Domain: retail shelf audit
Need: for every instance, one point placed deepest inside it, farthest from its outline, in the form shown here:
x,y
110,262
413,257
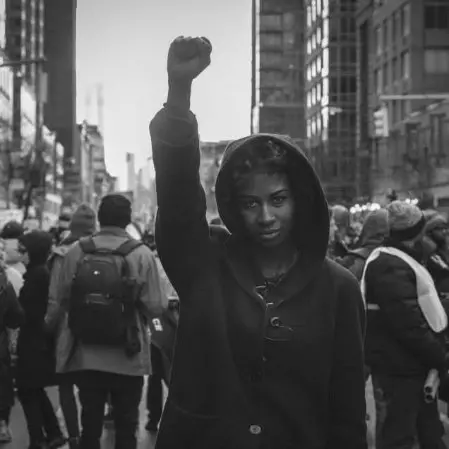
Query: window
x,y
436,61
405,18
378,78
309,17
394,70
270,40
270,78
436,17
270,59
271,22
385,40
405,65
378,38
289,40
309,47
385,75
289,21
397,24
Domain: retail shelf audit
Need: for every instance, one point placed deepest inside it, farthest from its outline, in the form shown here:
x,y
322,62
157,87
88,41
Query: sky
x,y
123,46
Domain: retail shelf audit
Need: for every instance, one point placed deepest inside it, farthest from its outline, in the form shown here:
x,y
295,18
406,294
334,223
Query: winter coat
x,y
35,348
399,340
75,356
11,317
280,372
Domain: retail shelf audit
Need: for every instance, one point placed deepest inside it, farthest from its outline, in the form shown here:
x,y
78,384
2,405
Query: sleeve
x,y
152,297
182,232
14,316
393,287
54,308
347,411
34,297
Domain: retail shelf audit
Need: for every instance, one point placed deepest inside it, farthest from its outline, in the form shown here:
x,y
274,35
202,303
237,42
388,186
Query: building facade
x,y
60,51
404,50
278,67
331,70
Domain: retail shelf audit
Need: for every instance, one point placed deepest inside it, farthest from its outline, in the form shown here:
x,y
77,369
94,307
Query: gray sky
x,y
123,46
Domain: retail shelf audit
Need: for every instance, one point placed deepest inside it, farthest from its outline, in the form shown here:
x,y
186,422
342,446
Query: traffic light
x,y
381,122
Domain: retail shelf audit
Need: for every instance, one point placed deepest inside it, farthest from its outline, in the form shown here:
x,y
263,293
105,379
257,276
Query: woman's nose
x,y
266,214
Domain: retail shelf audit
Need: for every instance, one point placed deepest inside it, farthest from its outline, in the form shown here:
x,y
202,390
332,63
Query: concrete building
x,y
331,68
278,67
60,51
404,50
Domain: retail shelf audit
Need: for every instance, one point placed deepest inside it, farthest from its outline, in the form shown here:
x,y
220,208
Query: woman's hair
x,y
266,157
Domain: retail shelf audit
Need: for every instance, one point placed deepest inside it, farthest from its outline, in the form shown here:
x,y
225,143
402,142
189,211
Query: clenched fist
x,y
187,58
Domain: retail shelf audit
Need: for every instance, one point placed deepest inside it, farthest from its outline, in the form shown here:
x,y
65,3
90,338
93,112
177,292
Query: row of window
x,y
336,89
395,70
278,22
436,61
436,15
316,9
285,40
395,27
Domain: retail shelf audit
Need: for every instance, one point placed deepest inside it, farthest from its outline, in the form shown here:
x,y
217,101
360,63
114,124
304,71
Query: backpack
x,y
103,296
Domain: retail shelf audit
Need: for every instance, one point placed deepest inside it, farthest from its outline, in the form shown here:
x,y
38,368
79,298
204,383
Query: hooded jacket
x,y
375,230
276,373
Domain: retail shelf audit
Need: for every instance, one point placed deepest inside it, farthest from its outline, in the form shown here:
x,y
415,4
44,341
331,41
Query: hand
x,y
187,58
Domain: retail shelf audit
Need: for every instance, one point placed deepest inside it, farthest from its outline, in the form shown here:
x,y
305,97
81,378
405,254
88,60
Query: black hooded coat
x,y
35,350
277,373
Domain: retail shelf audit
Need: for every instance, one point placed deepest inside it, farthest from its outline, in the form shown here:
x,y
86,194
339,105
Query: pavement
x,y
147,440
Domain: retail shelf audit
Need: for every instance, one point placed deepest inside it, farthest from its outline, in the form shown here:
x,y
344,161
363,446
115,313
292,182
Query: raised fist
x,y
188,57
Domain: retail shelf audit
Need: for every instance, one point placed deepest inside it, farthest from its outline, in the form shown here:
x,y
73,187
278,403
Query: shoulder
x,y
346,284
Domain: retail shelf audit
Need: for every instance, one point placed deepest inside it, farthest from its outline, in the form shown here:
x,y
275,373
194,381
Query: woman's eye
x,y
249,204
279,200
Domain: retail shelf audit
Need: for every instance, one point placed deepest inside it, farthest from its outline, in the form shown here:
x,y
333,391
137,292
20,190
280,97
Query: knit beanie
x,y
83,221
406,221
12,230
115,210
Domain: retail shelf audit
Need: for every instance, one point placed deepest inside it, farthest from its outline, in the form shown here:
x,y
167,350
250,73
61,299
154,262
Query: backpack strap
x,y
128,247
87,245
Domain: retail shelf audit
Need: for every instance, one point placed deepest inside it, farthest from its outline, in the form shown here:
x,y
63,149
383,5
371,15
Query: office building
x,y
278,67
60,51
331,68
404,50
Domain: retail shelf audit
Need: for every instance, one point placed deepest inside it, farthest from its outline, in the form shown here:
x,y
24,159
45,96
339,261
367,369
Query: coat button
x,y
255,429
275,322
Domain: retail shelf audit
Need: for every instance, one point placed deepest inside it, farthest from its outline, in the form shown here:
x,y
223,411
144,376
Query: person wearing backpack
x,y
82,224
108,293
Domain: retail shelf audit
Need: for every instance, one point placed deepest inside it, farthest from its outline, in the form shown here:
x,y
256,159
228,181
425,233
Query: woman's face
x,y
24,254
267,206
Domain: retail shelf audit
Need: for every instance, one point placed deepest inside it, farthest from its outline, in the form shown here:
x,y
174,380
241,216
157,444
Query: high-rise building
x,y
278,67
60,51
404,50
331,68
25,42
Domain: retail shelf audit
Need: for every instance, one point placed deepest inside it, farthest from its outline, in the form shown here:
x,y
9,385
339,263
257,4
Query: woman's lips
x,y
269,235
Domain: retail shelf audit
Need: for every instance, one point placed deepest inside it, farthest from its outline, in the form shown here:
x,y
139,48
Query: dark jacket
x,y
399,340
238,381
35,348
11,317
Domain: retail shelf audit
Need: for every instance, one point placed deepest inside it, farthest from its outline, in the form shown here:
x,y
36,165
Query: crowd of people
x,y
266,324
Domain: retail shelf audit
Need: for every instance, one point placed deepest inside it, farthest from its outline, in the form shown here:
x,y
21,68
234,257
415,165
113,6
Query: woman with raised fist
x,y
269,350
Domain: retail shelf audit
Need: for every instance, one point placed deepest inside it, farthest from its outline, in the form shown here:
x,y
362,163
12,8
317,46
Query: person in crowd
x,y
11,317
405,336
437,230
82,224
341,220
10,234
105,342
35,350
374,232
269,349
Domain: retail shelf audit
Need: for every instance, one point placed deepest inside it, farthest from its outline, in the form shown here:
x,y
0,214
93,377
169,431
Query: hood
x,y
375,228
311,230
12,255
434,220
38,245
